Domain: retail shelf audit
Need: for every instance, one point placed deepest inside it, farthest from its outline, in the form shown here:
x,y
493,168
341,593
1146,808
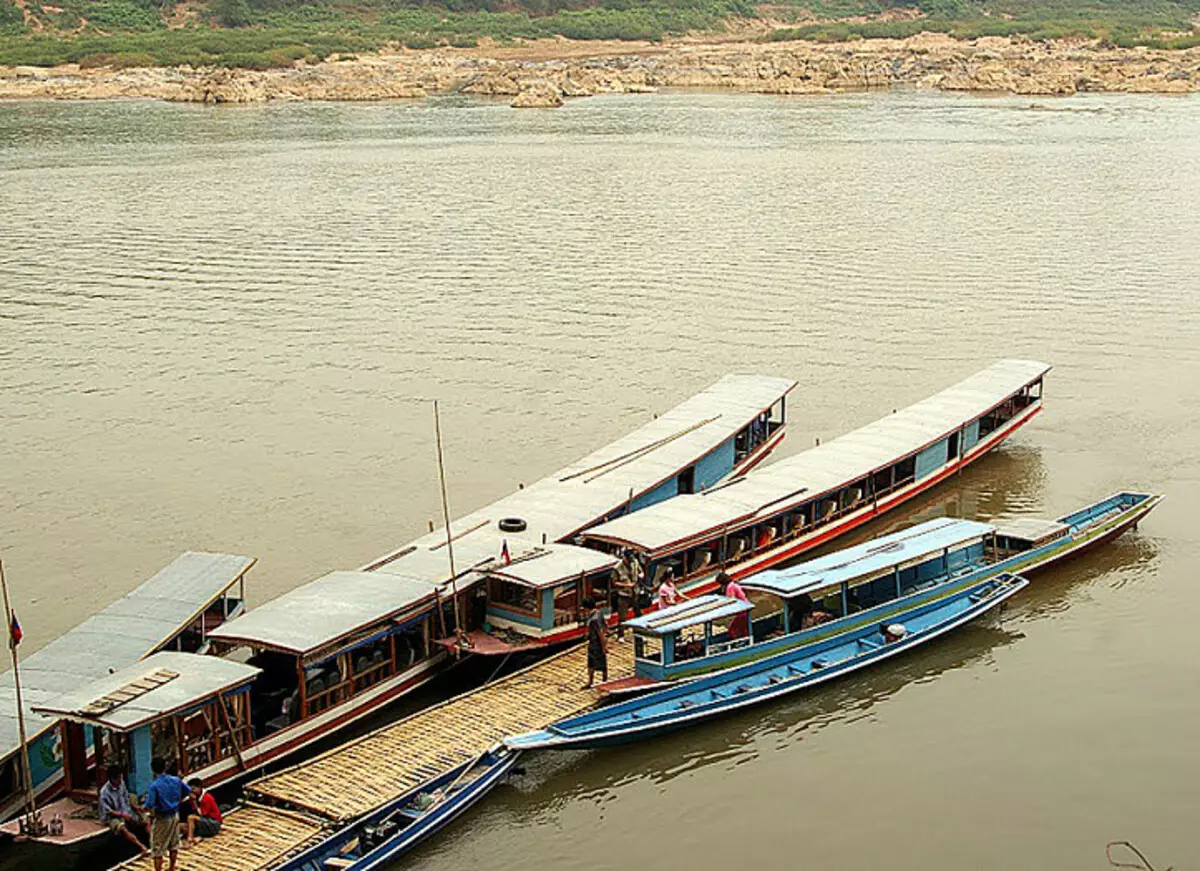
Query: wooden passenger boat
x,y
802,613
382,837
177,609
775,676
776,513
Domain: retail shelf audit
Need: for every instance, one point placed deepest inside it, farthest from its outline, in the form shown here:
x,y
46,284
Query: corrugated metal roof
x,y
552,564
199,678
825,467
870,559
692,612
326,610
600,483
118,636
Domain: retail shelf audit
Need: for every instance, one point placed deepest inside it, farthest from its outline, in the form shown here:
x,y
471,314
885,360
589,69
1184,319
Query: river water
x,y
219,327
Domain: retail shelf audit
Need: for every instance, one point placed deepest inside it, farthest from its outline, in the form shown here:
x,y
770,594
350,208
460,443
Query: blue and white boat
x,y
829,616
381,837
692,701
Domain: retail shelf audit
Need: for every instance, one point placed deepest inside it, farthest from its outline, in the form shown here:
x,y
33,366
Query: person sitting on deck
x,y
206,821
597,644
117,812
667,593
739,626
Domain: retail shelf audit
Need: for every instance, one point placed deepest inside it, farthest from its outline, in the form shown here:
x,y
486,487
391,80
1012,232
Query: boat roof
x,y
870,559
690,612
1031,528
799,478
161,684
325,611
552,564
127,630
604,481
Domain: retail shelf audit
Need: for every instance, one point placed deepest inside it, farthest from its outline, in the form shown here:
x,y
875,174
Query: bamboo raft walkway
x,y
358,777
294,807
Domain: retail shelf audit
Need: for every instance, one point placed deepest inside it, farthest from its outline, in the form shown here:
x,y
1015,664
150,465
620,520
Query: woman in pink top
x,y
667,594
739,626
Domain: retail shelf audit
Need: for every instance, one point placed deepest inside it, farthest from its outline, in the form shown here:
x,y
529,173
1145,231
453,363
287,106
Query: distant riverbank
x,y
546,72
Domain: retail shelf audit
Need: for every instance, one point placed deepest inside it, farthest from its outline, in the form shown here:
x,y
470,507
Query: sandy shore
x,y
545,73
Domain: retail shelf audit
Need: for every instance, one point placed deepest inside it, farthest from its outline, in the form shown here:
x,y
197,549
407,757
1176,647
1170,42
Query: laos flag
x,y
14,631
504,554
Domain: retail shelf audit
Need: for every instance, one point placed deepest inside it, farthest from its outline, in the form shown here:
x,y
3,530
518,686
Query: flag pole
x,y
32,825
437,428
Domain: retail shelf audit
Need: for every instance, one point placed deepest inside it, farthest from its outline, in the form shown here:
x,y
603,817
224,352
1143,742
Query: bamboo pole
x,y
33,823
437,428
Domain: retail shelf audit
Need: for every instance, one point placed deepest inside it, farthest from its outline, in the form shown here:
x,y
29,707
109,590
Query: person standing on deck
x,y
163,799
739,627
117,812
668,594
625,590
597,644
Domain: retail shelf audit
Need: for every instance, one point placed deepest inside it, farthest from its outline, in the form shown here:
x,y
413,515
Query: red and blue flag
x,y
504,554
14,630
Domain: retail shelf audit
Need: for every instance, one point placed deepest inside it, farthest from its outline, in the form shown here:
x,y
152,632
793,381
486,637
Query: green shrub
x,y
12,20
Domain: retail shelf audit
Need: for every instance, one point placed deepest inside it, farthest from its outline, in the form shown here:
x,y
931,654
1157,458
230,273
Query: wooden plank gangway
x,y
358,777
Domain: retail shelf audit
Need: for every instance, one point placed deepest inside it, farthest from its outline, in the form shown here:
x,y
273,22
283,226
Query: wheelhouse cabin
x,y
540,591
177,609
189,708
770,515
798,604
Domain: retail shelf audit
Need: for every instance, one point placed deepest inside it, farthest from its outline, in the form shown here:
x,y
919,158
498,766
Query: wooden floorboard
x,y
352,780
251,839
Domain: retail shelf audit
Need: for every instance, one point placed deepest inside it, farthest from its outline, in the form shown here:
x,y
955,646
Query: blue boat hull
x,y
771,678
413,826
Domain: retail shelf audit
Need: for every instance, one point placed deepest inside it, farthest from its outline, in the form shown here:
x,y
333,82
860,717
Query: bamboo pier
x,y
292,808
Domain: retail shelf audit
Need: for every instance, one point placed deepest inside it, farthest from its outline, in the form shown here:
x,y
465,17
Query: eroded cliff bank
x,y
544,73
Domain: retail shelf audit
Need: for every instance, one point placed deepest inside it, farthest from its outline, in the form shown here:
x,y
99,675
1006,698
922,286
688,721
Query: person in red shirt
x,y
206,822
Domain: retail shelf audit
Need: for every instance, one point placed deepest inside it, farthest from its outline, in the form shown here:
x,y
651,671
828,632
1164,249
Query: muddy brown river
x,y
219,329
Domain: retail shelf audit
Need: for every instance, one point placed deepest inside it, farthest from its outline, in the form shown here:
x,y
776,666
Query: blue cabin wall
x,y
970,436
45,757
139,775
932,458
710,469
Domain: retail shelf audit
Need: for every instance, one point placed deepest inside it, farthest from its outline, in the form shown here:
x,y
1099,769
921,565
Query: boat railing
x,y
720,647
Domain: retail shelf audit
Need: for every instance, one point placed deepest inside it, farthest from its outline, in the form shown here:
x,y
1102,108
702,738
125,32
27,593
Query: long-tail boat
x,y
826,617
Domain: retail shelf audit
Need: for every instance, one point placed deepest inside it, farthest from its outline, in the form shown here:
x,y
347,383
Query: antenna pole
x,y
32,823
437,428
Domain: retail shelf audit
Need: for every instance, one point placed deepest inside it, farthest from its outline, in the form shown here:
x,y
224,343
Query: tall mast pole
x,y
437,428
31,800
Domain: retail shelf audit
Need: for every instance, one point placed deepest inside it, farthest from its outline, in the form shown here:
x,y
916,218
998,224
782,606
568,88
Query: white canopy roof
x,y
553,564
178,681
327,610
827,467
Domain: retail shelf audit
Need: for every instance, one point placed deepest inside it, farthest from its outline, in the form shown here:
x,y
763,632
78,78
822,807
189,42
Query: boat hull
x,y
732,691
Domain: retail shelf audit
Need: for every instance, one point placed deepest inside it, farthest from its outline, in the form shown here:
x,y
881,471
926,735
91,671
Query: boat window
x,y
689,643
686,480
767,617
729,633
905,472
514,597
700,559
566,604
647,647
765,535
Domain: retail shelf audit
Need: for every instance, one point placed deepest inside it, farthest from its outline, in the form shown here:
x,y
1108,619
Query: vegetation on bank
x,y
259,34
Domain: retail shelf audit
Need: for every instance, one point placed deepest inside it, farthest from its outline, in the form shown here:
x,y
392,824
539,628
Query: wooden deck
x,y
364,774
252,838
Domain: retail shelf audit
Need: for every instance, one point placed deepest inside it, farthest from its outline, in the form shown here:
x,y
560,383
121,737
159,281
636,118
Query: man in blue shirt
x,y
163,798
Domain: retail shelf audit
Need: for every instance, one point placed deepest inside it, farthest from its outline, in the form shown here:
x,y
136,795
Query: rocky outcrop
x,y
543,74
538,94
